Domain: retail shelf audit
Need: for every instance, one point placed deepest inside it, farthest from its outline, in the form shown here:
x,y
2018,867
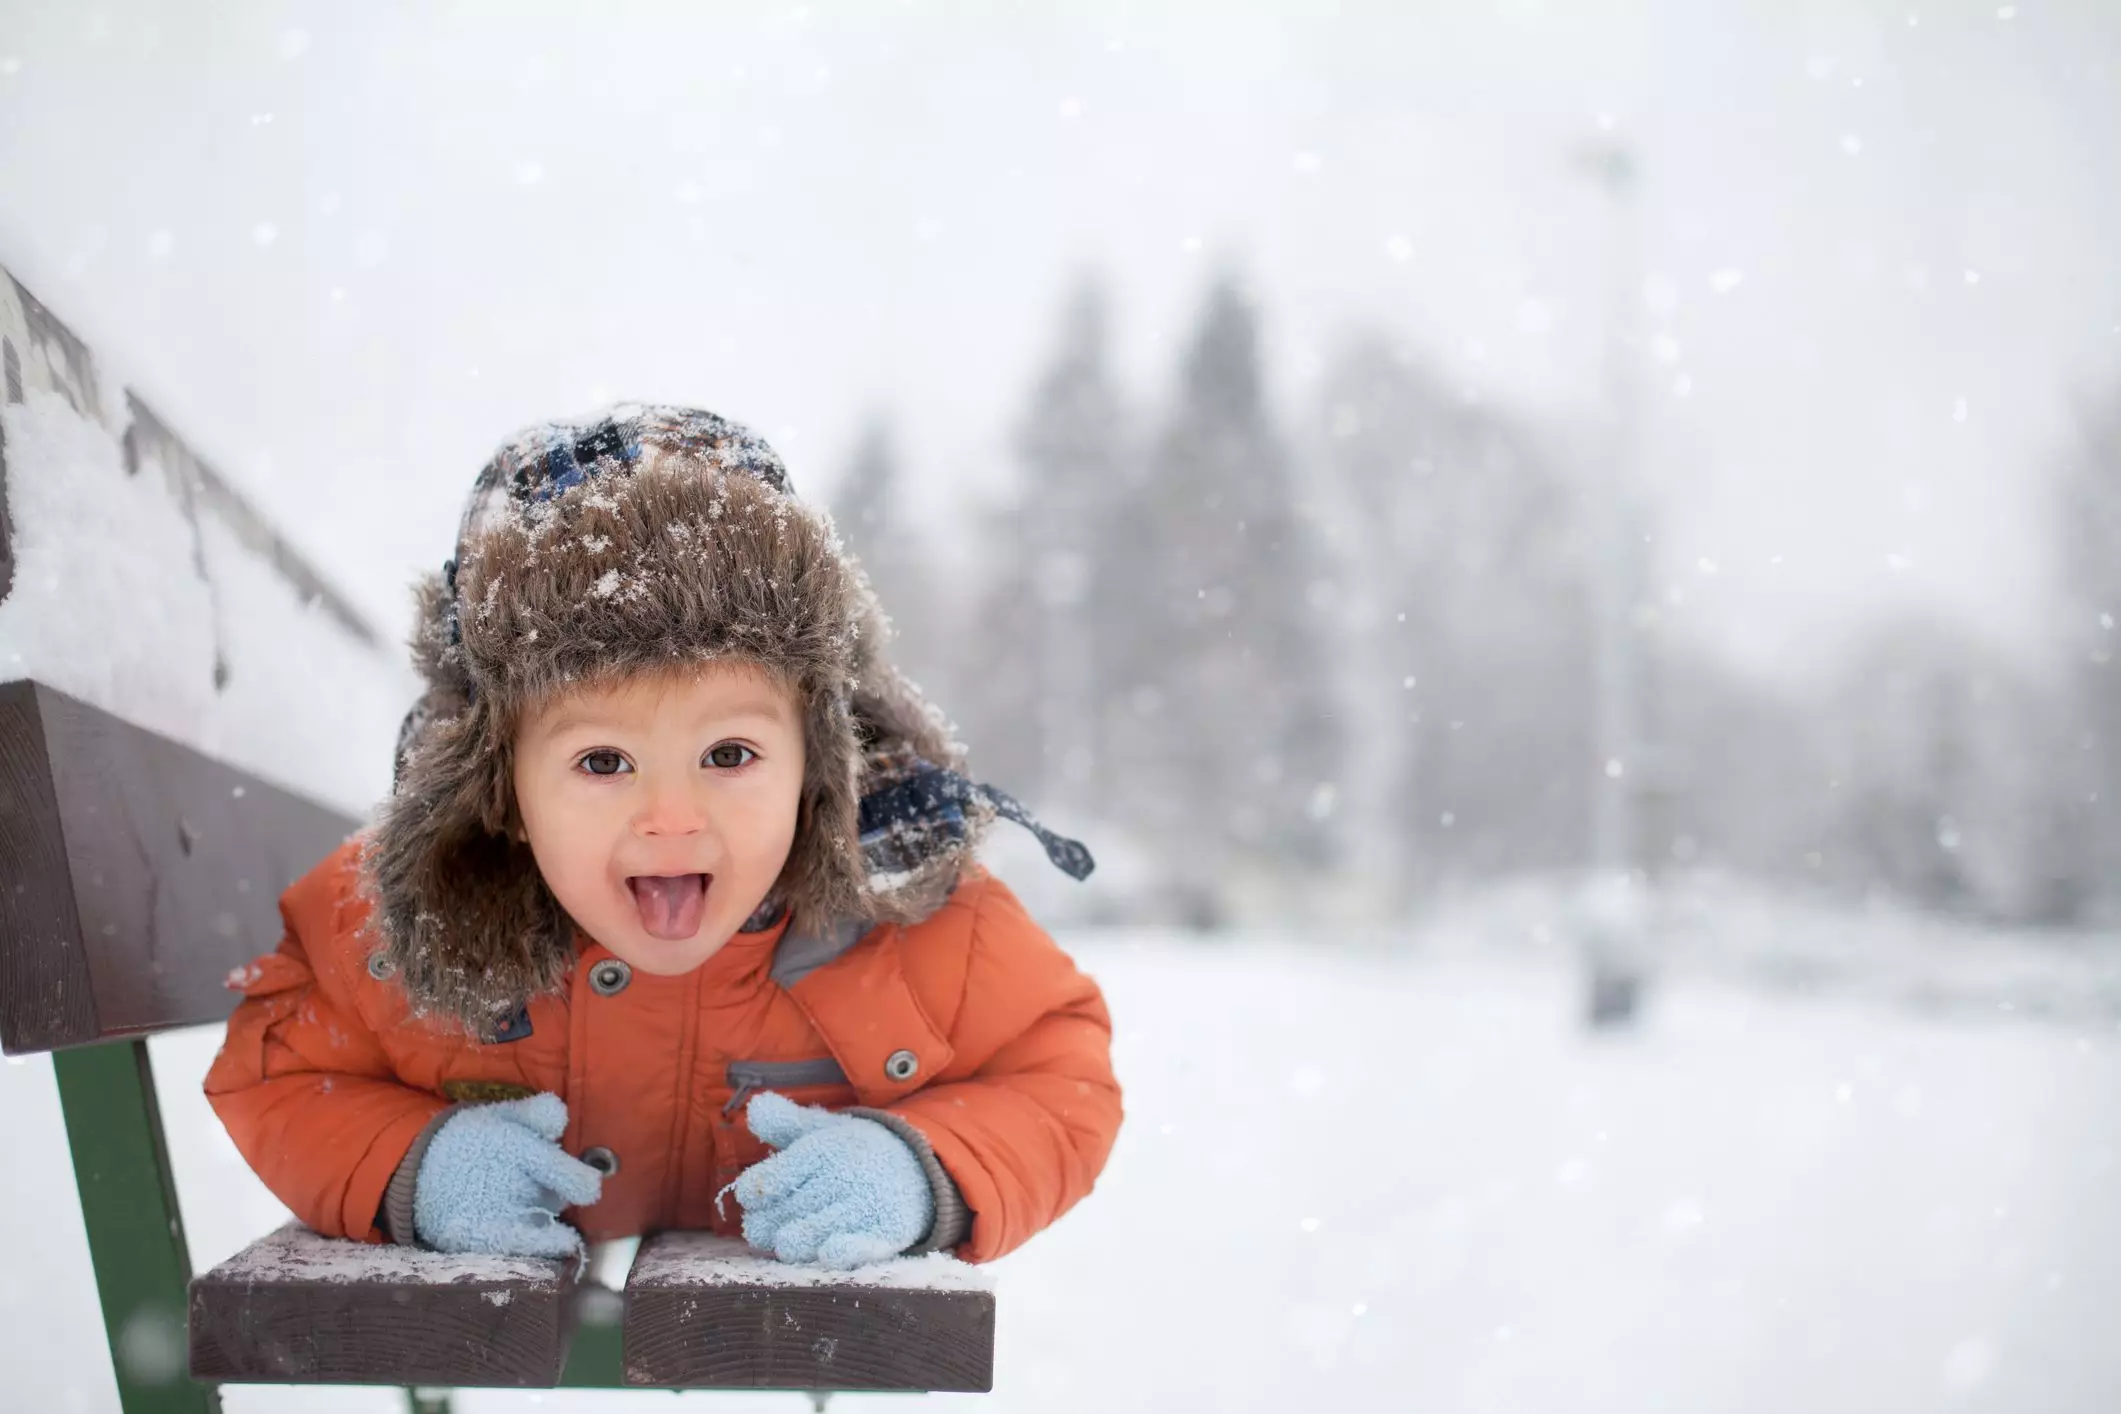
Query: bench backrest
x,y
176,657
135,873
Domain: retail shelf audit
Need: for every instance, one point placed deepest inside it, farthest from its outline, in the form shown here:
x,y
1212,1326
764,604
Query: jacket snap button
x,y
609,977
601,1159
903,1065
380,966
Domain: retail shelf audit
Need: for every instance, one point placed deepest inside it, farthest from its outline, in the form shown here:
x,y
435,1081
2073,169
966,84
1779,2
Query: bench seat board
x,y
702,1313
296,1308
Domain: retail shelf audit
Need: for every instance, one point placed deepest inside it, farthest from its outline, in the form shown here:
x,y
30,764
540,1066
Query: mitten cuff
x,y
395,1216
953,1220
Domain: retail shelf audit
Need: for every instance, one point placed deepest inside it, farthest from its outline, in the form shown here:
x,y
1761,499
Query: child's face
x,y
660,810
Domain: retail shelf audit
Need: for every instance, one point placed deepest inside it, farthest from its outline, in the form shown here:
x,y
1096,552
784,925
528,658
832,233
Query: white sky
x,y
347,248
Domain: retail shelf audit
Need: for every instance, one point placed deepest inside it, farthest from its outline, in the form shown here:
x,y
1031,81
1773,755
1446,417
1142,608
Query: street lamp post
x,y
1614,933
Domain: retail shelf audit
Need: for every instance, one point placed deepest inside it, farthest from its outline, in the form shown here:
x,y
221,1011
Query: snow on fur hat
x,y
639,540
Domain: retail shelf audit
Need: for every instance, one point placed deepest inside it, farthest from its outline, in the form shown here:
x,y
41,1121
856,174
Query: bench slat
x,y
702,1313
135,873
296,1308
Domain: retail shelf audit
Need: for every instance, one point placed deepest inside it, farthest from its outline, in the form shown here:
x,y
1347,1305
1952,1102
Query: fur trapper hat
x,y
641,540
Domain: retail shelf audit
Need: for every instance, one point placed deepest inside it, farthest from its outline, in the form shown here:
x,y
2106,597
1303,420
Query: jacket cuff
x,y
395,1216
953,1220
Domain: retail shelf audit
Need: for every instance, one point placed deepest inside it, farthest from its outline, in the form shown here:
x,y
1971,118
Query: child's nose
x,y
670,810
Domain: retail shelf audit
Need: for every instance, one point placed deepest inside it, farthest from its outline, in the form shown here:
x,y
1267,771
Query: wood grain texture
x,y
691,1324
297,1308
44,989
135,873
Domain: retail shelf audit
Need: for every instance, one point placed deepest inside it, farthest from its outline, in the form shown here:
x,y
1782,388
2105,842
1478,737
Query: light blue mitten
x,y
842,1191
495,1178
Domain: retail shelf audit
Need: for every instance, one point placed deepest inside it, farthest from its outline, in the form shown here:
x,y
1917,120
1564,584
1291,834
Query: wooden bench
x,y
135,874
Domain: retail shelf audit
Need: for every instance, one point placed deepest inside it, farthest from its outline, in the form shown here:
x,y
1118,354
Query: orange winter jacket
x,y
325,1079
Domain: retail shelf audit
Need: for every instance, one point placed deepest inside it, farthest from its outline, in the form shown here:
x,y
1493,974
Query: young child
x,y
676,871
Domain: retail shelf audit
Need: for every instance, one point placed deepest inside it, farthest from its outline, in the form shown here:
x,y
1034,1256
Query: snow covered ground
x,y
1360,1180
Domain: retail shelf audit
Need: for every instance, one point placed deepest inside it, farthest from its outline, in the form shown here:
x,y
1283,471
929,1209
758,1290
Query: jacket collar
x,y
745,960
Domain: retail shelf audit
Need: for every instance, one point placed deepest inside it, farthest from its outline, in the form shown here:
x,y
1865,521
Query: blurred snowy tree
x,y
1226,757
871,513
1037,701
1951,793
2088,528
1755,790
1471,679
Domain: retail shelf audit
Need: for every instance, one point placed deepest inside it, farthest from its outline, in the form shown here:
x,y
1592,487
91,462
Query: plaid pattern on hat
x,y
544,461
914,809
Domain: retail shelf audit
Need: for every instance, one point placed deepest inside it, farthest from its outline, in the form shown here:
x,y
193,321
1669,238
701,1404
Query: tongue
x,y
670,904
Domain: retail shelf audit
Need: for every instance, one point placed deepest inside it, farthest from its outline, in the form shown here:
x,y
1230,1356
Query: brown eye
x,y
613,763
729,755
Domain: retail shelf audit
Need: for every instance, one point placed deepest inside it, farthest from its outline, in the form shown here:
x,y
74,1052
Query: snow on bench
x,y
703,1312
296,1308
700,1312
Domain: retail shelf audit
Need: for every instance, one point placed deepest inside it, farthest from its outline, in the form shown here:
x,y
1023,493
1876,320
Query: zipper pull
x,y
736,1101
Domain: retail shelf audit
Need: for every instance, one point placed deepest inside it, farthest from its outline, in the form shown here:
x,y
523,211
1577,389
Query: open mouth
x,y
670,905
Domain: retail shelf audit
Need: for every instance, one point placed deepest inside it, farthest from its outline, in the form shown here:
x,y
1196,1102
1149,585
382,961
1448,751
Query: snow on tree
x,y
1228,750
1472,674
2088,532
1752,771
1950,793
871,513
1038,699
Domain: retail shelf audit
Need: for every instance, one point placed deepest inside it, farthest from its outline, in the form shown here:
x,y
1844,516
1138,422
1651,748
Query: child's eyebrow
x,y
567,722
771,708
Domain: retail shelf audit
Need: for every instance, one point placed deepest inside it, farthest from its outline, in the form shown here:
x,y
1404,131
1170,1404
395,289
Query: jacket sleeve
x,y
303,1085
1025,1134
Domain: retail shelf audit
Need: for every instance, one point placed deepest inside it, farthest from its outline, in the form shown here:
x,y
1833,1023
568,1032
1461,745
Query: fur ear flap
x,y
460,909
440,664
822,880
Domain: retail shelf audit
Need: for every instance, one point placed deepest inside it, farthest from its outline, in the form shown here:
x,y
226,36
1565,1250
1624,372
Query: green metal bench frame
x,y
136,1239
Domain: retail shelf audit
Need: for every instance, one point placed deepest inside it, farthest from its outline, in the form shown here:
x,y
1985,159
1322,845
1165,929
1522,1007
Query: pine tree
x,y
1947,778
1227,745
2089,539
870,511
1037,638
1472,674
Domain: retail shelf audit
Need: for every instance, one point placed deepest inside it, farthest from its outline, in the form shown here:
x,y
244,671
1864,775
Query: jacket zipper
x,y
748,1077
